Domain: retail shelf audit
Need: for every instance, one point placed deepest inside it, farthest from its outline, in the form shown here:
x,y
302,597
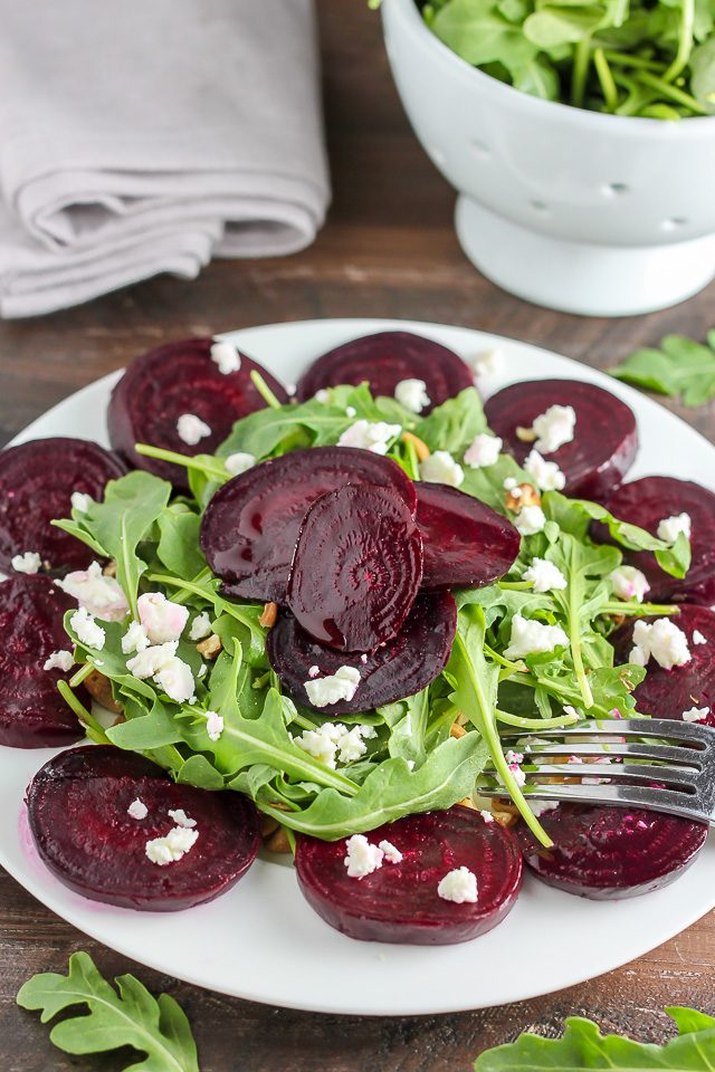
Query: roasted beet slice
x,y
648,501
605,438
399,901
401,667
32,712
176,379
383,360
251,525
36,484
668,693
465,541
609,853
78,806
357,567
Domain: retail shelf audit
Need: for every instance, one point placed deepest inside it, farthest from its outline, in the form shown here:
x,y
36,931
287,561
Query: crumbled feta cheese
x,y
149,661
412,394
483,451
334,741
459,886
138,809
510,484
177,680
517,774
81,502
351,746
191,429
341,685
322,396
200,627
696,714
363,658
554,428
161,619
238,463
181,818
88,632
100,595
514,757
291,389
202,671
530,520
529,637
698,638
540,806
27,562
546,475
570,710
441,468
214,725
486,816
135,638
488,363
361,857
663,641
169,849
544,575
226,356
369,435
59,660
670,527
314,671
590,780
390,852
350,411
629,583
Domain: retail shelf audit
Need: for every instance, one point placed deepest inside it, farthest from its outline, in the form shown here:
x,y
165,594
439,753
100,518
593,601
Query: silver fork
x,y
681,755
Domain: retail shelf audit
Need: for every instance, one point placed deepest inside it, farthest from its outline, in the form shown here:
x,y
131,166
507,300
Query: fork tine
x,y
691,732
669,801
625,771
664,752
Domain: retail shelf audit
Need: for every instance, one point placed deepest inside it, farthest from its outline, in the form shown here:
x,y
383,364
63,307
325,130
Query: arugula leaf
x,y
681,368
453,425
156,1027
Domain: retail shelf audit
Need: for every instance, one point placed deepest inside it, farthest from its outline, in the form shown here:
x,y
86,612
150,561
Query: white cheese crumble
x,y
181,818
370,435
59,660
511,484
412,394
81,502
553,428
191,429
27,562
488,363
696,714
441,468
540,806
342,685
670,527
546,475
100,595
161,619
314,671
361,857
138,809
239,462
663,641
169,849
390,852
483,451
162,664
569,710
322,396
88,632
514,757
459,886
545,576
135,638
350,411
486,816
202,671
333,741
225,356
214,725
517,774
200,627
629,583
698,638
529,637
530,520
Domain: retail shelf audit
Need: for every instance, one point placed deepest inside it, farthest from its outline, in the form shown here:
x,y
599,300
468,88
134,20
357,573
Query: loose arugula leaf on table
x,y
127,1016
681,368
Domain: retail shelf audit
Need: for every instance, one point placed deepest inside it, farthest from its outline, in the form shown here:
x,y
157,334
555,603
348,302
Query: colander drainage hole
x,y
673,224
615,189
539,206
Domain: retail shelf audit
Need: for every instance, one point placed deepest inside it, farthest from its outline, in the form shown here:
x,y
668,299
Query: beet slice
x,y
399,902
78,811
357,568
36,483
386,358
668,693
605,437
608,853
401,667
648,501
178,378
32,712
465,541
250,527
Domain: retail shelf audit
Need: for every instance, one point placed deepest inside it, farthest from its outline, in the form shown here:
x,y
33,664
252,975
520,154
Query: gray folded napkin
x,y
146,136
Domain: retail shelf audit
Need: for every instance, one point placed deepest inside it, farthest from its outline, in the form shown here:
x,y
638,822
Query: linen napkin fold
x,y
142,136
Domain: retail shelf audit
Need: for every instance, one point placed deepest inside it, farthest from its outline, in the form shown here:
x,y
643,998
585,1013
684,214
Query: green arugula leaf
x,y
156,1027
682,367
453,425
478,32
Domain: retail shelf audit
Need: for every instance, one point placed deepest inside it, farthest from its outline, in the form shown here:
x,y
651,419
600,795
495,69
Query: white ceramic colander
x,y
583,212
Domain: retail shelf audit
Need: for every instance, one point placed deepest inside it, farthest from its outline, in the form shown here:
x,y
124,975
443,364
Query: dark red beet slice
x,y
668,693
251,525
383,360
32,712
174,379
608,853
605,437
357,568
404,665
465,541
648,501
36,483
77,805
399,902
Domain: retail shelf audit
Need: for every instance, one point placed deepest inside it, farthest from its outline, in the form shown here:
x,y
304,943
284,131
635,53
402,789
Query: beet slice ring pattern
x,y
32,712
668,693
401,667
383,360
357,568
465,541
36,484
250,527
608,853
172,380
399,901
648,501
78,808
605,439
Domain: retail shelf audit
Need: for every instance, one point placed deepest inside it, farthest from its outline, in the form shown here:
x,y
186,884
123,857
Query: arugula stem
x,y
81,675
216,472
536,723
644,609
515,586
204,575
685,41
673,93
627,60
603,71
582,59
264,390
94,731
572,610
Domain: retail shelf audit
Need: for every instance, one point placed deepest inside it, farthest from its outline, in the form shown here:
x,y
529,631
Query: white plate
x,y
261,940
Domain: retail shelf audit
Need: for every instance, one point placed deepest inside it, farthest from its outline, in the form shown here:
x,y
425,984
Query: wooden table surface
x,y
388,249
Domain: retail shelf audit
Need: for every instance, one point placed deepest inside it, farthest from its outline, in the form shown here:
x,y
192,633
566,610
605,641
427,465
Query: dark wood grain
x,y
388,249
